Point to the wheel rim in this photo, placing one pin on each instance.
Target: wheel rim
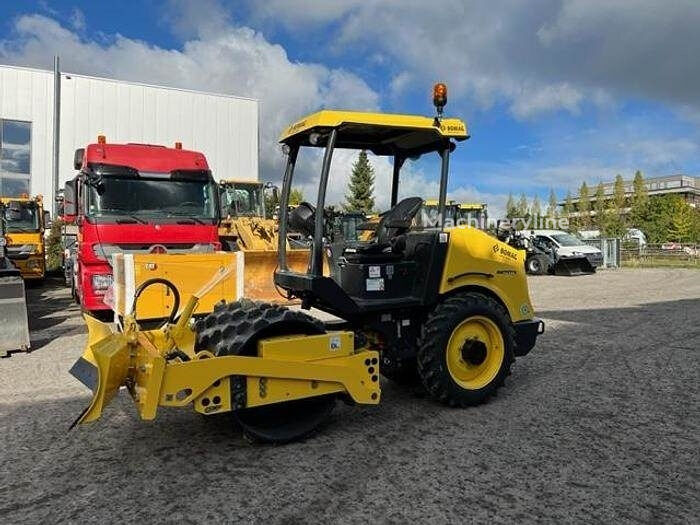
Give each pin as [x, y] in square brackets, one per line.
[475, 352]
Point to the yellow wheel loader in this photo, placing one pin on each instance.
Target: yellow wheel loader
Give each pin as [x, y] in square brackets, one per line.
[447, 307]
[25, 235]
[244, 227]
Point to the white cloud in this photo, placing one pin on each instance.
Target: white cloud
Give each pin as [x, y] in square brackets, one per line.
[237, 60]
[563, 52]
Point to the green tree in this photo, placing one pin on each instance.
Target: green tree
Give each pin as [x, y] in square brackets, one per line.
[54, 247]
[361, 186]
[682, 221]
[536, 207]
[568, 205]
[296, 196]
[619, 194]
[552, 205]
[584, 207]
[272, 200]
[599, 207]
[656, 218]
[523, 209]
[640, 198]
[511, 208]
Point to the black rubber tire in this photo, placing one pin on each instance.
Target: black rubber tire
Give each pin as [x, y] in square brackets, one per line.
[536, 265]
[432, 358]
[235, 329]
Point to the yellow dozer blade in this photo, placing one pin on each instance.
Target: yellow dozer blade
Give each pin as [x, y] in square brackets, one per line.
[103, 367]
[259, 270]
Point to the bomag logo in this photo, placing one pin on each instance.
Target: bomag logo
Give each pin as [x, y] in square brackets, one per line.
[454, 128]
[505, 252]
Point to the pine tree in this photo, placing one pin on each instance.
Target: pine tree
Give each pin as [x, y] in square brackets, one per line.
[599, 207]
[619, 194]
[552, 206]
[640, 195]
[272, 200]
[568, 205]
[523, 210]
[640, 200]
[536, 208]
[511, 209]
[584, 207]
[296, 196]
[361, 186]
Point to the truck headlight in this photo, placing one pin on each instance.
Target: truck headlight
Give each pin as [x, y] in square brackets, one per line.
[101, 281]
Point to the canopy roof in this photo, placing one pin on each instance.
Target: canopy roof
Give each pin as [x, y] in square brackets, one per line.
[380, 133]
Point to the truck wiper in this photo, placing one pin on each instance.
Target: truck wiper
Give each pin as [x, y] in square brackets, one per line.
[190, 220]
[132, 219]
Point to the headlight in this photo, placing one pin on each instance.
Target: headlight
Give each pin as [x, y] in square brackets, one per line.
[204, 248]
[34, 263]
[101, 281]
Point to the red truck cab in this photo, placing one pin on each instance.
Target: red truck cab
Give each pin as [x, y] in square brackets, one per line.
[136, 198]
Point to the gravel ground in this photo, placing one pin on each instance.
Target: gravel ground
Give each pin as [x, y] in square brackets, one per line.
[599, 423]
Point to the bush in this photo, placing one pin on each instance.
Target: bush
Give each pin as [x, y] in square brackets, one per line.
[54, 247]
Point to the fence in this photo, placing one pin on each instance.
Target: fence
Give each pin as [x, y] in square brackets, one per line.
[666, 254]
[611, 249]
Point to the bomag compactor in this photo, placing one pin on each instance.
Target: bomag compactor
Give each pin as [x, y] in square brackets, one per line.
[447, 307]
[244, 227]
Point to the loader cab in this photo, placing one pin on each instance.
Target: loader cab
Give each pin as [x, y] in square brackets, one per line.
[400, 266]
[242, 199]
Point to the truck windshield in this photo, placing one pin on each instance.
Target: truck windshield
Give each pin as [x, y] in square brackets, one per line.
[22, 217]
[564, 239]
[145, 198]
[242, 200]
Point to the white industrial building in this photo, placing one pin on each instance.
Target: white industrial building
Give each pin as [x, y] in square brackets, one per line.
[223, 127]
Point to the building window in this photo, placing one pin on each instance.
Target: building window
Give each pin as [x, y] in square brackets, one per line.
[15, 153]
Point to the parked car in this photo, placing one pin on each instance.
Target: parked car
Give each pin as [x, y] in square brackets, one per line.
[567, 245]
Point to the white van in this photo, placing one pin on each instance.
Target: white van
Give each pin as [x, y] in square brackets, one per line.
[567, 245]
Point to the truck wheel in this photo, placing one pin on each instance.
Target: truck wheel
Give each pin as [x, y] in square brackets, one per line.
[235, 329]
[535, 265]
[466, 350]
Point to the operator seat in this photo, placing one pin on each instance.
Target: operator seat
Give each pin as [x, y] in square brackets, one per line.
[386, 245]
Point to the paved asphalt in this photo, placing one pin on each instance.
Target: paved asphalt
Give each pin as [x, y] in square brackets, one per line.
[599, 423]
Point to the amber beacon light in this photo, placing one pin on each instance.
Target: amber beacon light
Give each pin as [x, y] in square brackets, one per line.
[439, 97]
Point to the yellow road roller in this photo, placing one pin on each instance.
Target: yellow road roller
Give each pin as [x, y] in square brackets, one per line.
[447, 308]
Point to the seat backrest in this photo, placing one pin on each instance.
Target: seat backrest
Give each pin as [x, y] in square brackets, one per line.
[398, 219]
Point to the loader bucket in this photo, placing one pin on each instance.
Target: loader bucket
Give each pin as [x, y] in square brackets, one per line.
[13, 313]
[259, 273]
[103, 367]
[573, 266]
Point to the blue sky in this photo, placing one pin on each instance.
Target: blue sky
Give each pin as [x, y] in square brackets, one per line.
[554, 92]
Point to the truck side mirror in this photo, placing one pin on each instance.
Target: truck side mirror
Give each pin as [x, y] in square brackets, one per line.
[70, 198]
[47, 219]
[78, 158]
